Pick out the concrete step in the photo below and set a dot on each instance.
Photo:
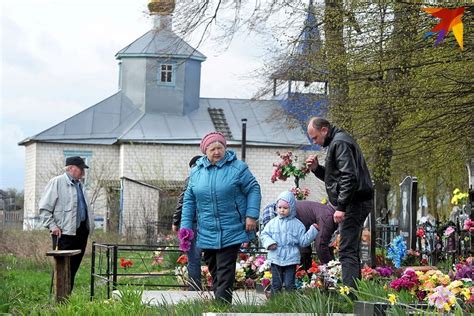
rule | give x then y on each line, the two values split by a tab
239	297
174	297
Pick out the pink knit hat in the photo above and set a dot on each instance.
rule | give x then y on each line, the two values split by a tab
210	138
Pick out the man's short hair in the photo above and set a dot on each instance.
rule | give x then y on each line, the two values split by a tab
319	122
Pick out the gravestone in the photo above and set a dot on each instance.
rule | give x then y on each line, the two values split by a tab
470	203
367	240
408	209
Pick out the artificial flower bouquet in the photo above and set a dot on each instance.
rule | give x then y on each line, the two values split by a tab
185	236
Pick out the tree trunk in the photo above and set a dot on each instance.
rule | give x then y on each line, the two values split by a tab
337	64
395	83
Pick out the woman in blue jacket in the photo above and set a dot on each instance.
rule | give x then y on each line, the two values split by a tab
282	236
225	197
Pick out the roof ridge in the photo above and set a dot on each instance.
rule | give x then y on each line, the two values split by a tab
131	126
133	42
158	42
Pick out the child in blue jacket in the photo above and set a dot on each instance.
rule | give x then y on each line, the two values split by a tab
282	236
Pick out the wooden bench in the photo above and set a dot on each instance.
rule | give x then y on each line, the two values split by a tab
62	272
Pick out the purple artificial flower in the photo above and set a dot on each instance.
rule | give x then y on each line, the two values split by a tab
184	245
465	271
421	295
440	297
186	234
407	281
385	271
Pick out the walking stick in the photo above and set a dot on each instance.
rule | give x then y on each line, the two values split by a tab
55	247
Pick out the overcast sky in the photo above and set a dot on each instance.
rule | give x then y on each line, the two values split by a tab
57	59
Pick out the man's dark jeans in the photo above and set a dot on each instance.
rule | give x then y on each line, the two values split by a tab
282	275
194	267
351	230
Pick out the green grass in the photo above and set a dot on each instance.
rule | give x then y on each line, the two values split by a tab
25	285
24	290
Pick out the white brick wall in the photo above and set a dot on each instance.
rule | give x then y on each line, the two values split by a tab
46	160
170	162
146	162
30	185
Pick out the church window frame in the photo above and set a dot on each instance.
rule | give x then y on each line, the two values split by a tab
166	73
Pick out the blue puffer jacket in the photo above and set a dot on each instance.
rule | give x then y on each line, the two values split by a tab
288	233
223	196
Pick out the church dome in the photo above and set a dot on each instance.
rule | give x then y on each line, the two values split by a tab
161	7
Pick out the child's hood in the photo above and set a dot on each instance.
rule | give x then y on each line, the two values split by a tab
290	198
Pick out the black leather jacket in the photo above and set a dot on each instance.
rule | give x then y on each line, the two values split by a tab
179	206
345	173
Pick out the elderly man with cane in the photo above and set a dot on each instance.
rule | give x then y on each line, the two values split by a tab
65	211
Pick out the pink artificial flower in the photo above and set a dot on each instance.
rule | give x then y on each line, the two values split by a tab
448	231
157	260
249	282
407	281
265	282
468	224
259	260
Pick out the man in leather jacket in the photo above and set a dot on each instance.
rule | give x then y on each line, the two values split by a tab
348	186
194	253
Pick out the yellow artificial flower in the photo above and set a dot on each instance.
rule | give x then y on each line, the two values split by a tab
452	300
467	293
447	307
240	275
267	274
454	200
392	298
455	284
324	201
344	290
456	191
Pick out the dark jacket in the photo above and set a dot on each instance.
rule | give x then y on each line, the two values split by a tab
345	173
179	206
308	212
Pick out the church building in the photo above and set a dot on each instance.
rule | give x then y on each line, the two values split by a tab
138	141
